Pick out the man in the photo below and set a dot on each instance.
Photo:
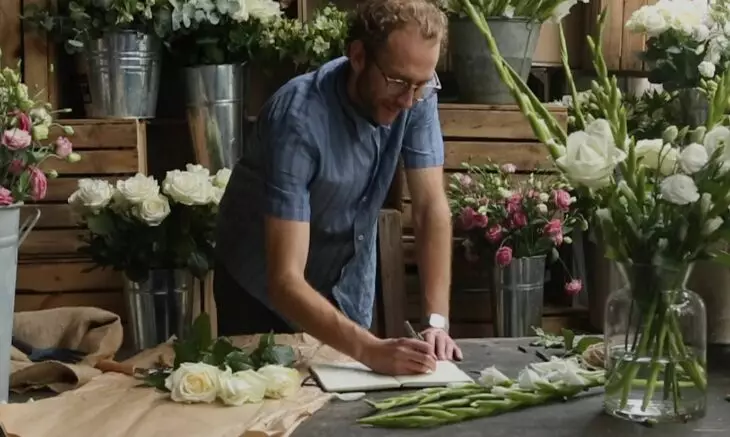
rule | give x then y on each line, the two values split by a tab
297	225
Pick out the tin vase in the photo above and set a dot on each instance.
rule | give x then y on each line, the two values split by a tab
517	300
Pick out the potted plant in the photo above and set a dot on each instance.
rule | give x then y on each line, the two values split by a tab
516	27
25	150
160	235
213	45
119	46
514	225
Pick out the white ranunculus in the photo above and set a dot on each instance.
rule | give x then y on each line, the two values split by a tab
679	189
706	69
591	155
153	210
693	158
657	155
719	138
712	225
91	194
222	177
281	382
491	377
194	382
188	188
138	188
242	387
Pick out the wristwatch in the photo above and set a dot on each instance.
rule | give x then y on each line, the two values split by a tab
438	321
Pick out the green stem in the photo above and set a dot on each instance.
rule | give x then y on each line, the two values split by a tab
655	364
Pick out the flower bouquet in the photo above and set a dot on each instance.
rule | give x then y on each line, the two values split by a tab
504	217
141	225
660	205
539	11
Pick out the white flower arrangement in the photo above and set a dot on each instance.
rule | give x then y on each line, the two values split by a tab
139	224
540	10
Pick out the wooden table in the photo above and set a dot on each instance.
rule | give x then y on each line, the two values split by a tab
577	418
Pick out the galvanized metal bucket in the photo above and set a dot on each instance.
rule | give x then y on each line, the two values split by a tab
215	100
517	301
476	76
160	307
124	75
12	235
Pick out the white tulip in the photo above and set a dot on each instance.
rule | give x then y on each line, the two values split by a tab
693	158
138	188
591	155
247	386
657	155
91	195
491	377
281	381
194	382
679	189
153	210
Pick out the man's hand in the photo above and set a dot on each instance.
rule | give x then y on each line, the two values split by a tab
442	344
399	356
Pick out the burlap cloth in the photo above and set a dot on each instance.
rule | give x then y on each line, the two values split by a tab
93	331
114	405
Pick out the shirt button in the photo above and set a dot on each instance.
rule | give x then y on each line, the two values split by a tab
360	237
365	199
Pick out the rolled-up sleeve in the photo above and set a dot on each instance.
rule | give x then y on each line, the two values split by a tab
423	143
290	166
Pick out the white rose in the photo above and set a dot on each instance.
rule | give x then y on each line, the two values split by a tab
222	177
138	188
542	208
679	189
242	387
591	155
197	168
706	69
712	225
153	210
719	138
217	195
188	188
491	377
92	194
693	158
194	382
657	155
281	381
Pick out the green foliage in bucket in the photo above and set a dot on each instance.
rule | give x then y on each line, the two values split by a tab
533	10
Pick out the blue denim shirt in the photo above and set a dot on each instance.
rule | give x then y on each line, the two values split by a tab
313	158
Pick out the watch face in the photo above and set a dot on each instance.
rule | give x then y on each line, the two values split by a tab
437	321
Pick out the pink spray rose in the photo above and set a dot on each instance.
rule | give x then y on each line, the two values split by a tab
6	197
514	203
518	220
554	230
63	147
562	199
16	139
504	255
24	122
471	219
464	180
494	234
573	287
16	167
38	183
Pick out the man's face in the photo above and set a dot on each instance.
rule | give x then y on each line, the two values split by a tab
391	80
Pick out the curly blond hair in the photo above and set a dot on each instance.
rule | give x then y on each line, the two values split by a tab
373	21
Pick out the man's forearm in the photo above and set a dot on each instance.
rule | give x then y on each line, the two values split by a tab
313	313
433	243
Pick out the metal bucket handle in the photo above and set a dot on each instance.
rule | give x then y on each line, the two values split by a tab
28	226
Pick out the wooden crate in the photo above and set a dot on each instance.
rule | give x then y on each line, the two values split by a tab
476	134
109	149
620	46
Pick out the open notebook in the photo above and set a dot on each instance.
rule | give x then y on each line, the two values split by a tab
355	376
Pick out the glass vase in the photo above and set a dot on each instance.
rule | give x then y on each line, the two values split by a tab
655	340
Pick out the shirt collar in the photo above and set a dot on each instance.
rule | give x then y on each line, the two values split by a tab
362	125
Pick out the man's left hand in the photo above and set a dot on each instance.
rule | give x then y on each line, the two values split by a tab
443	345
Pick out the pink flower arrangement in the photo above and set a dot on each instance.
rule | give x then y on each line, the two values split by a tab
504	215
25	128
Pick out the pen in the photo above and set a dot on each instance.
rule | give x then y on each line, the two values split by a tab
412	332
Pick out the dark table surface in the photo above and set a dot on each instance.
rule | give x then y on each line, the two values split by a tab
577	418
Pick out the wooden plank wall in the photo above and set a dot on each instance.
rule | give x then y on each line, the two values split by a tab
476	134
50	272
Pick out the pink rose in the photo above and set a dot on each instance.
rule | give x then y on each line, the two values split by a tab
509	168
63	147
494	234
464	180
38	183
16	167
471	219
514	203
573	287
553	227
6	197
561	199
504	255
518	220
24	122
16	139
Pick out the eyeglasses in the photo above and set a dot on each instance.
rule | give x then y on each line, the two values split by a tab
398	87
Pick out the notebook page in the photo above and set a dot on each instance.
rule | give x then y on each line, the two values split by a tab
352	376
446	372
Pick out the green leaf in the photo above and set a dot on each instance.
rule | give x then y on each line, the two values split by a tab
585	342
156	380
221	349
238	361
100	224
201	333
282	355
568	337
